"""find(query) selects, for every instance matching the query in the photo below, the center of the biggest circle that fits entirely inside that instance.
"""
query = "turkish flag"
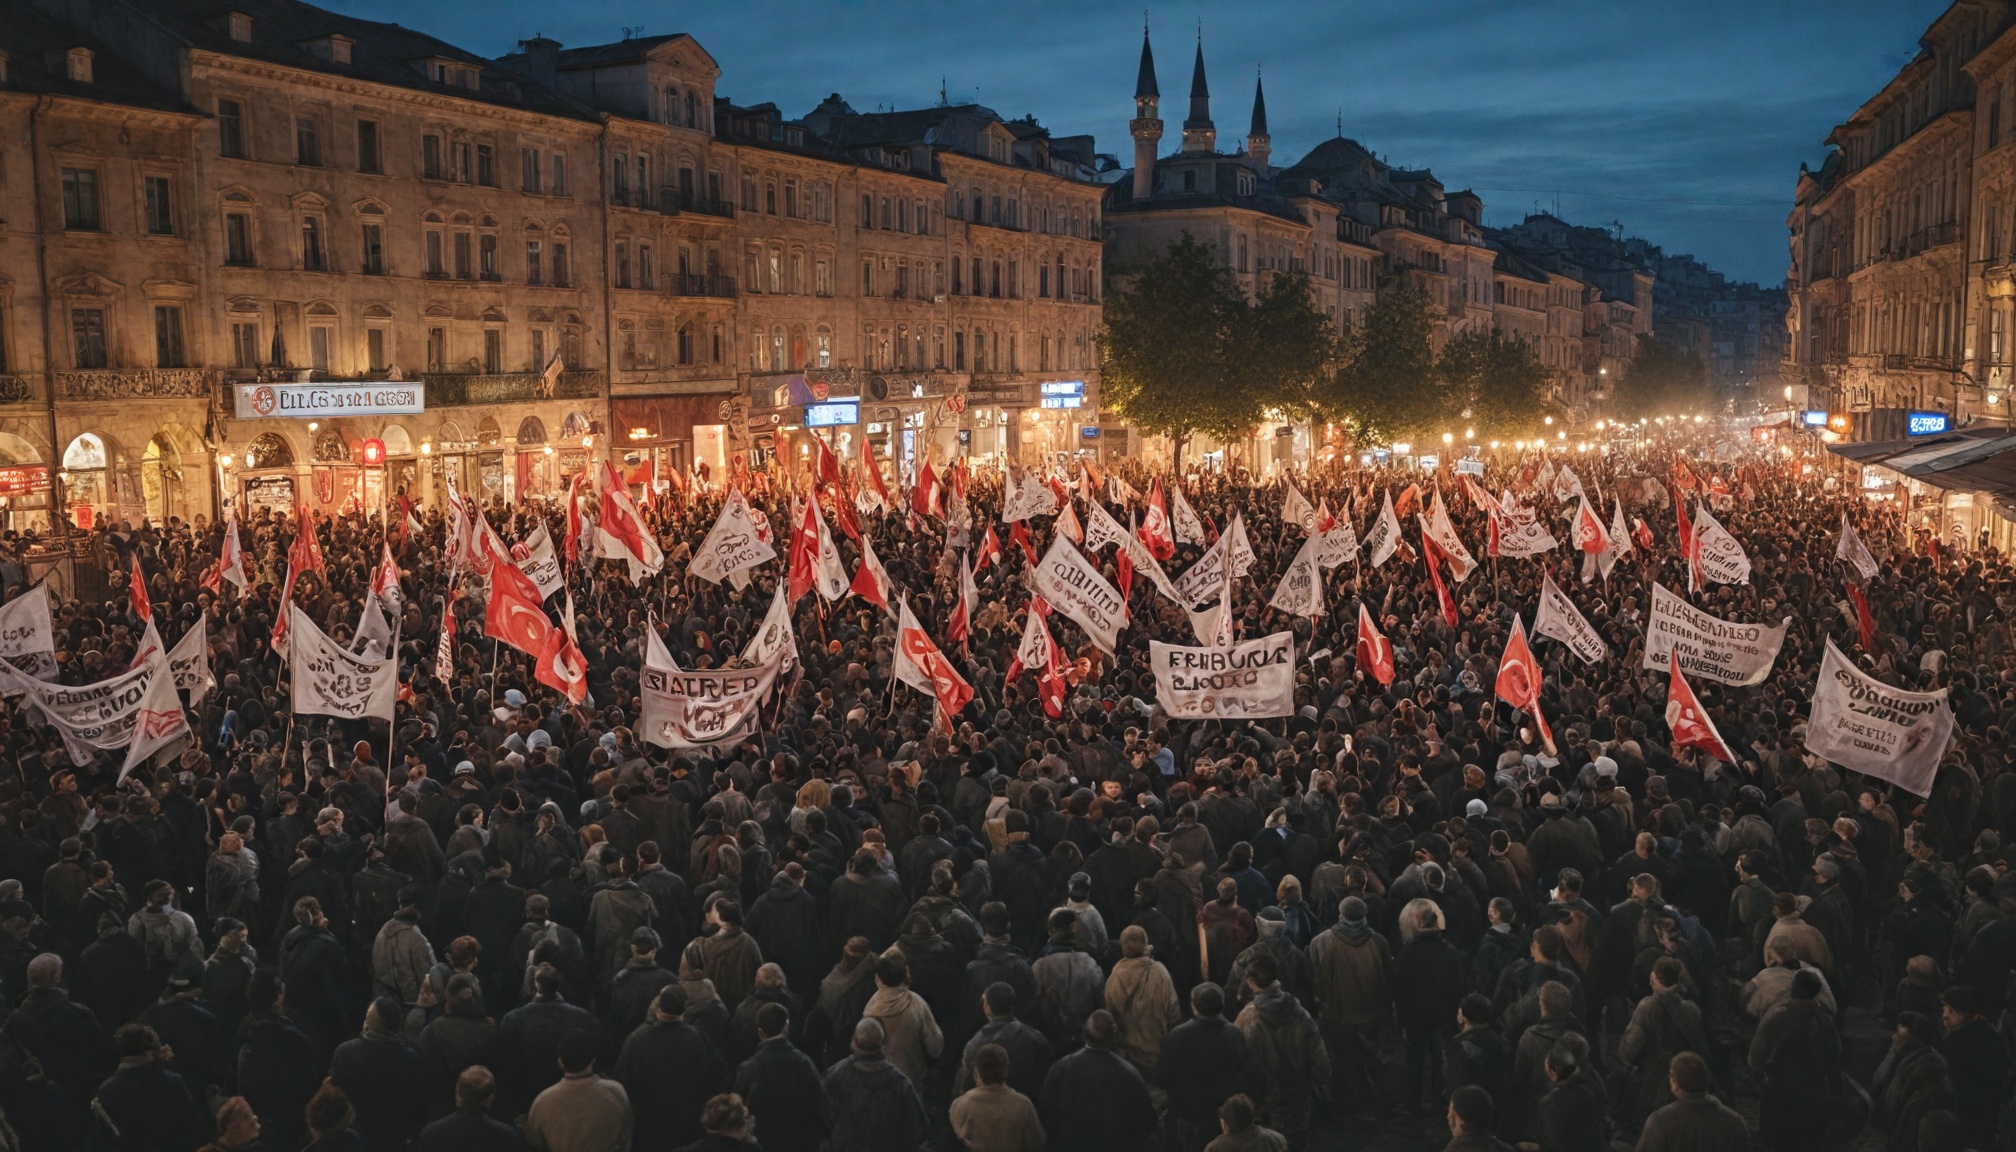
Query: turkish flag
(561, 666)
(871, 582)
(1154, 530)
(1864, 622)
(843, 511)
(1050, 684)
(516, 613)
(1689, 722)
(1375, 652)
(1018, 533)
(947, 685)
(1432, 552)
(136, 590)
(1590, 535)
(924, 493)
(990, 551)
(873, 471)
(1519, 678)
(804, 555)
(829, 464)
(1642, 533)
(960, 627)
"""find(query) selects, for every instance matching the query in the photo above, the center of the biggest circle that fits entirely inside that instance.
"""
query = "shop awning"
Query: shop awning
(647, 419)
(1877, 451)
(1994, 475)
(1930, 463)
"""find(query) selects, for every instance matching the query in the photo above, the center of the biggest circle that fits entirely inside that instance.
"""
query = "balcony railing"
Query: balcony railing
(454, 388)
(705, 206)
(132, 384)
(700, 284)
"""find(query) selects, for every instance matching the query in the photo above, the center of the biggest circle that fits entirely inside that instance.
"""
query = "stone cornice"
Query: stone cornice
(223, 66)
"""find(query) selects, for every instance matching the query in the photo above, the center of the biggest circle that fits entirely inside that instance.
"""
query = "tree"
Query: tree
(1495, 377)
(1661, 381)
(1184, 351)
(1389, 389)
(1167, 348)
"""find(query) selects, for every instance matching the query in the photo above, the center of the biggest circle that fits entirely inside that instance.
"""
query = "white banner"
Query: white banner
(1720, 650)
(1559, 619)
(1031, 497)
(1239, 681)
(27, 640)
(1075, 588)
(329, 681)
(1189, 529)
(1862, 723)
(1337, 545)
(1295, 508)
(160, 720)
(1567, 485)
(1200, 581)
(94, 718)
(1437, 527)
(732, 545)
(1721, 556)
(541, 562)
(1242, 549)
(775, 638)
(312, 401)
(1101, 529)
(1520, 530)
(696, 709)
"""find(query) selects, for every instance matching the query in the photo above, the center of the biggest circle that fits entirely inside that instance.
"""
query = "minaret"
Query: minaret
(1258, 145)
(1146, 126)
(1199, 135)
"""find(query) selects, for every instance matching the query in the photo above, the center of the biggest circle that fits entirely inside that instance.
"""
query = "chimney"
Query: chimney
(542, 60)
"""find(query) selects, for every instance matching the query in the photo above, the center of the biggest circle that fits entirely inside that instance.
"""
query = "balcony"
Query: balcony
(685, 201)
(700, 284)
(454, 388)
(132, 384)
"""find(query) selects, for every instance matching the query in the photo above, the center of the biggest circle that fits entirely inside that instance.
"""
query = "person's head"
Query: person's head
(45, 971)
(1805, 984)
(237, 1124)
(868, 1037)
(329, 1111)
(725, 1115)
(1668, 972)
(1555, 1000)
(384, 1016)
(1236, 1116)
(1785, 904)
(1469, 1110)
(1100, 1030)
(999, 1000)
(772, 1020)
(891, 970)
(1207, 1000)
(475, 1087)
(135, 1042)
(577, 1053)
(546, 981)
(1475, 1010)
(990, 1064)
(1687, 1075)
(671, 1003)
(1957, 1005)
(1261, 972)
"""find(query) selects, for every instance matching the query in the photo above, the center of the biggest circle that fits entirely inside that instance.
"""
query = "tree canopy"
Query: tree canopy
(1495, 377)
(1184, 351)
(1661, 380)
(1388, 389)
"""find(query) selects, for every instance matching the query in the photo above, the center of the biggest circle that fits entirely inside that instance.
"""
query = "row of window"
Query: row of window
(441, 157)
(902, 349)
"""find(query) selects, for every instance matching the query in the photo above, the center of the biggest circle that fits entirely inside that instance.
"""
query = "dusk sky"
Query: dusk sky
(1685, 122)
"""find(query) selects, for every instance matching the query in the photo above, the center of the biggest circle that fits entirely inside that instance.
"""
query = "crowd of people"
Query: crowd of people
(509, 920)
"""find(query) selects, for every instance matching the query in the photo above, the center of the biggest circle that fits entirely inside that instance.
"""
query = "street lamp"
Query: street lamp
(1550, 421)
(1448, 438)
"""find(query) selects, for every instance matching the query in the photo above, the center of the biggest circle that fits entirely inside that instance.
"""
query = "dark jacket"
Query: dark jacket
(875, 1108)
(153, 1110)
(785, 1096)
(389, 1084)
(1572, 1116)
(279, 1068)
(528, 1048)
(1288, 1054)
(1095, 1101)
(785, 924)
(469, 1130)
(1428, 981)
(65, 1036)
(670, 1070)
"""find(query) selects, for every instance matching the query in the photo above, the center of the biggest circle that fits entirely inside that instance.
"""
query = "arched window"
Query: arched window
(671, 105)
(692, 112)
(330, 447)
(531, 431)
(270, 450)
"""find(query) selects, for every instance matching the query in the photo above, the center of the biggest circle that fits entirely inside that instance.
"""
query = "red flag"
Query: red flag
(1519, 678)
(1408, 501)
(1590, 535)
(1019, 534)
(1864, 622)
(990, 551)
(947, 685)
(924, 493)
(1123, 567)
(516, 614)
(1050, 684)
(1689, 722)
(829, 464)
(960, 627)
(873, 470)
(136, 590)
(804, 560)
(1683, 476)
(1154, 530)
(306, 547)
(1375, 652)
(1431, 552)
(843, 511)
(871, 582)
(1686, 527)
(1642, 534)
(576, 519)
(561, 666)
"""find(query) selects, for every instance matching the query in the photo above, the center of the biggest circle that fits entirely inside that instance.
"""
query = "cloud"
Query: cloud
(1686, 122)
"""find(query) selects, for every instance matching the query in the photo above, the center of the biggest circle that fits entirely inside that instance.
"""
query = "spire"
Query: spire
(1259, 127)
(1144, 82)
(1199, 134)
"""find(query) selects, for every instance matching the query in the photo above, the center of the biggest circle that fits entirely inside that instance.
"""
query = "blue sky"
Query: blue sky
(1687, 122)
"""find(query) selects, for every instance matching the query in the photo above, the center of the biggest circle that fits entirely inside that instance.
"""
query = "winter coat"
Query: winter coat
(670, 1071)
(389, 1084)
(581, 1112)
(730, 958)
(470, 1130)
(1069, 987)
(1288, 1052)
(632, 993)
(786, 925)
(528, 1047)
(316, 975)
(1797, 1055)
(1142, 999)
(911, 1038)
(64, 1035)
(875, 1108)
(1030, 1055)
(1094, 1101)
(996, 1118)
(1572, 1116)
(785, 1096)
(614, 913)
(1698, 1123)
(1428, 981)
(871, 906)
(1353, 972)
(1662, 1026)
(153, 1109)
(279, 1068)
(1291, 966)
(400, 958)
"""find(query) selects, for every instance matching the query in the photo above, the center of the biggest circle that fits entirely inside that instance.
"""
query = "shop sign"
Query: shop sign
(310, 401)
(24, 479)
(1063, 393)
(840, 412)
(275, 492)
(1926, 423)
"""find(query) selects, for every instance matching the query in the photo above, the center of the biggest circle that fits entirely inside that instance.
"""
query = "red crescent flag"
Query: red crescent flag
(1432, 552)
(136, 590)
(1590, 535)
(873, 470)
(924, 493)
(1642, 533)
(1689, 722)
(1020, 535)
(951, 689)
(990, 551)
(516, 613)
(1519, 678)
(1864, 622)
(804, 555)
(1050, 684)
(960, 627)
(871, 582)
(561, 666)
(1375, 652)
(1154, 530)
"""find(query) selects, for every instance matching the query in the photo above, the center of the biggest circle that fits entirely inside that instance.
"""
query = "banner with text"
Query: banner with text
(1862, 723)
(1252, 679)
(1719, 650)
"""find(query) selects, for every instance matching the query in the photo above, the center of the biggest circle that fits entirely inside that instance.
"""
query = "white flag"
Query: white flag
(329, 680)
(189, 660)
(1101, 529)
(903, 666)
(1559, 619)
(1383, 538)
(1437, 527)
(1034, 651)
(732, 545)
(1241, 549)
(1029, 498)
(1200, 581)
(1336, 544)
(1860, 722)
(159, 721)
(1719, 556)
(1300, 592)
(1229, 682)
(27, 637)
(656, 655)
(1074, 587)
(1295, 508)
(829, 574)
(373, 638)
(1724, 651)
(1852, 550)
(1189, 529)
(1567, 486)
(1068, 525)
(1213, 622)
(231, 557)
(775, 639)
(541, 563)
